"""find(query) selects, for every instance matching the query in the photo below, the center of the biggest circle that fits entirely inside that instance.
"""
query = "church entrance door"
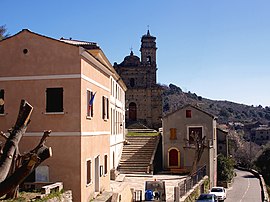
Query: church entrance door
(132, 111)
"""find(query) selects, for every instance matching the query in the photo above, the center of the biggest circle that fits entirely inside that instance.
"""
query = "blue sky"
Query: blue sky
(218, 49)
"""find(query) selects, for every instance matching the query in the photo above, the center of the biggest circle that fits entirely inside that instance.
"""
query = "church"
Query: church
(143, 95)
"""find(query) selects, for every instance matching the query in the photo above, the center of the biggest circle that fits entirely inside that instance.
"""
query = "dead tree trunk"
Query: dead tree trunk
(14, 138)
(199, 148)
(14, 168)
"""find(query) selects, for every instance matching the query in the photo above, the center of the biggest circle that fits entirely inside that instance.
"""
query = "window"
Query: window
(188, 113)
(2, 102)
(148, 60)
(90, 103)
(88, 172)
(105, 164)
(105, 108)
(54, 100)
(132, 82)
(173, 134)
(194, 133)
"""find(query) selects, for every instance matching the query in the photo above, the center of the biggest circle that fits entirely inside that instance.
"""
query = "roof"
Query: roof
(148, 35)
(130, 61)
(262, 128)
(84, 44)
(195, 107)
(223, 130)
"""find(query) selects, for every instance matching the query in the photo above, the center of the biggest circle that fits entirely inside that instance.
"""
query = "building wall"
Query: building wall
(75, 137)
(179, 121)
(90, 152)
(44, 57)
(222, 142)
(65, 168)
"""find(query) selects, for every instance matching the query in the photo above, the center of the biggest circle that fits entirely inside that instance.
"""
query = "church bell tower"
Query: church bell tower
(148, 56)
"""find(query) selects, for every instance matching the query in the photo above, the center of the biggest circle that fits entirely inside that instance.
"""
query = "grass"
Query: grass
(29, 196)
(142, 134)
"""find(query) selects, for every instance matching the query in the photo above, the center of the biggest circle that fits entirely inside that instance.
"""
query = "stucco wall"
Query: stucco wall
(74, 139)
(179, 121)
(44, 57)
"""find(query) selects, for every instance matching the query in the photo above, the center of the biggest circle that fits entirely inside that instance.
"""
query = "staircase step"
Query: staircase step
(137, 155)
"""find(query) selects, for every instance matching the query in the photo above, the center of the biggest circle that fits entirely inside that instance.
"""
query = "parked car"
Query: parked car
(220, 192)
(207, 198)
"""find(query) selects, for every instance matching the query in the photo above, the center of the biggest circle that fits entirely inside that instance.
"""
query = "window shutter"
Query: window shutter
(54, 100)
(188, 113)
(172, 133)
(103, 107)
(2, 101)
(107, 104)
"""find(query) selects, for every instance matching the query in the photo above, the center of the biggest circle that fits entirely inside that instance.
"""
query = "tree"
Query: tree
(14, 167)
(3, 32)
(225, 168)
(199, 148)
(263, 164)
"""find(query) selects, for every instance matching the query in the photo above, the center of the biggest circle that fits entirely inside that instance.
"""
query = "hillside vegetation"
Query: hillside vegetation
(226, 111)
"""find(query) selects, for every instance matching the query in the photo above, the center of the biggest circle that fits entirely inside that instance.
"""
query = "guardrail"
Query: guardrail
(264, 194)
(192, 180)
(151, 166)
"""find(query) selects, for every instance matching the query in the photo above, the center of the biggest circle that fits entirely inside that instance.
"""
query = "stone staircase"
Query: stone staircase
(138, 155)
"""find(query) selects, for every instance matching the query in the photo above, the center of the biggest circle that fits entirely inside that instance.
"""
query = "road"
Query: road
(246, 188)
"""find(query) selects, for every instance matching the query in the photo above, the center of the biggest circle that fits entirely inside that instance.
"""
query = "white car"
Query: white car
(220, 192)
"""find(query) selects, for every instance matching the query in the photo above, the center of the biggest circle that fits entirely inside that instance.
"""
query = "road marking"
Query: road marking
(245, 191)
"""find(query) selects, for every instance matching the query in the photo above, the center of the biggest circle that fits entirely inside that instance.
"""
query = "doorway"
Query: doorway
(132, 111)
(174, 158)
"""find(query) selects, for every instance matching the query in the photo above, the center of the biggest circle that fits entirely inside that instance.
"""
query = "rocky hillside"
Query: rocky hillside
(174, 98)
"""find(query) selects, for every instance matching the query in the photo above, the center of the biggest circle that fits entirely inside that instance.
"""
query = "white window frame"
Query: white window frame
(105, 108)
(195, 126)
(90, 115)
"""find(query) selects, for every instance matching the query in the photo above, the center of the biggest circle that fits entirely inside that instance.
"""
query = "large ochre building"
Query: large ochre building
(59, 78)
(143, 95)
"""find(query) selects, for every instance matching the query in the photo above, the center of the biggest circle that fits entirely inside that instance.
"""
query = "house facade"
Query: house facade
(222, 142)
(179, 128)
(261, 135)
(143, 95)
(69, 84)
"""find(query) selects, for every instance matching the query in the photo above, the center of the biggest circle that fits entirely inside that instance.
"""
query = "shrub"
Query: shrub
(225, 168)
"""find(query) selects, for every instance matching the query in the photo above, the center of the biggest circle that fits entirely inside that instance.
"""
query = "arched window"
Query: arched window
(132, 111)
(132, 82)
(148, 60)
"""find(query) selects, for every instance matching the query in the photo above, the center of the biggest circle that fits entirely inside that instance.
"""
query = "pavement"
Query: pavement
(137, 183)
(246, 188)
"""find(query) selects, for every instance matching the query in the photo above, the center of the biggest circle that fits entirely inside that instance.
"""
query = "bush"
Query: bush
(225, 168)
(263, 164)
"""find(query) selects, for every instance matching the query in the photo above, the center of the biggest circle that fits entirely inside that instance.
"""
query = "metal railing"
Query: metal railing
(192, 180)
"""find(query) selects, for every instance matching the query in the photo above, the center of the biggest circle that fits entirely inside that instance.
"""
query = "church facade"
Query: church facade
(143, 95)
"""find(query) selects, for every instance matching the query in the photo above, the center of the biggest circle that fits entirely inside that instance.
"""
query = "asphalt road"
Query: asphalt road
(246, 188)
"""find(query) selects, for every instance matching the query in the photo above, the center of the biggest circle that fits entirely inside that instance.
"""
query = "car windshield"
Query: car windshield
(216, 190)
(205, 196)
